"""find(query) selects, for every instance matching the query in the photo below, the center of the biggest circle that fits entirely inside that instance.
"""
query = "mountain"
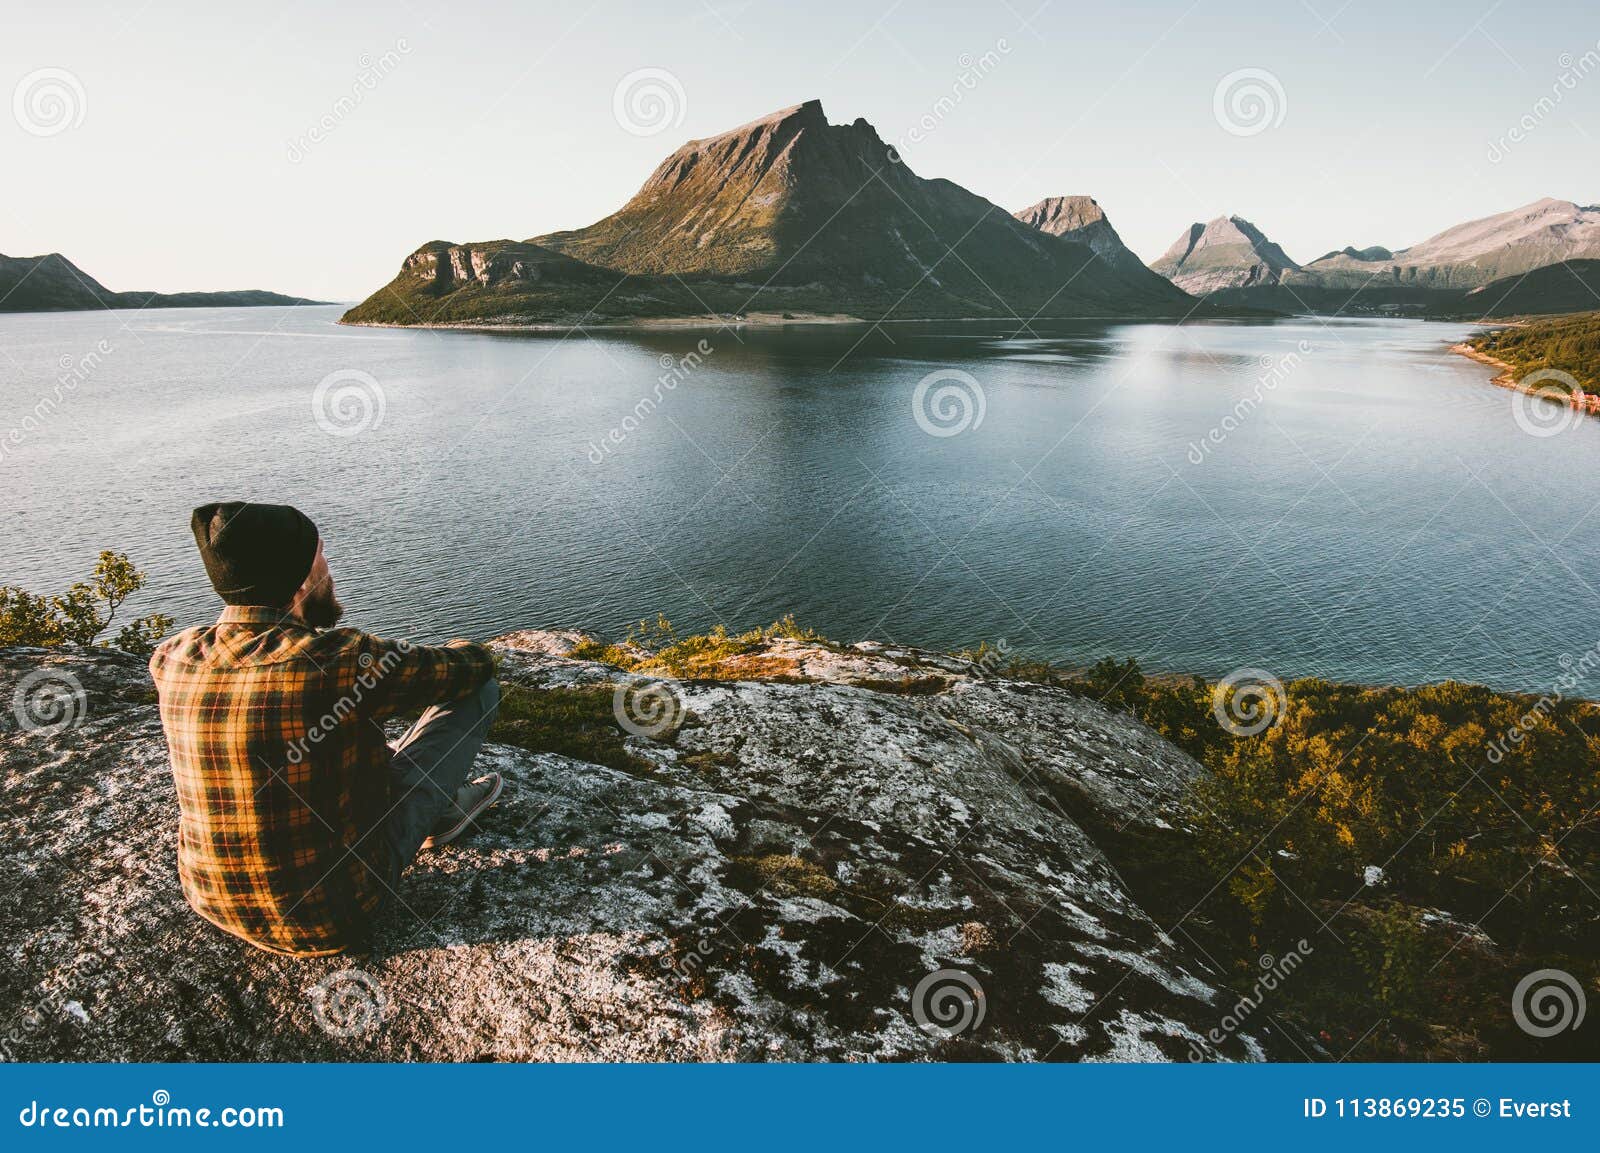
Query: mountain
(1570, 287)
(1230, 263)
(1081, 219)
(1471, 255)
(48, 283)
(1363, 255)
(1228, 252)
(52, 283)
(785, 215)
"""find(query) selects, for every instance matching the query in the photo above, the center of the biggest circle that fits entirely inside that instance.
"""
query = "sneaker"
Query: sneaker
(472, 800)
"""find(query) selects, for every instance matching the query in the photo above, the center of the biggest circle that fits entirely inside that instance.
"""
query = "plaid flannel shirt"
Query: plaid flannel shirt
(281, 766)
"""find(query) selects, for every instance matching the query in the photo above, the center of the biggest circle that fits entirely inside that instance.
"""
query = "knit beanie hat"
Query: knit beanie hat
(255, 554)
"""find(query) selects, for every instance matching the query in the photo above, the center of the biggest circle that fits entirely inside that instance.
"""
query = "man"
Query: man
(296, 816)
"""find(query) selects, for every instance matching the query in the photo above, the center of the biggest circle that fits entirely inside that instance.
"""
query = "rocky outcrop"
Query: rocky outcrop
(1081, 219)
(442, 267)
(841, 853)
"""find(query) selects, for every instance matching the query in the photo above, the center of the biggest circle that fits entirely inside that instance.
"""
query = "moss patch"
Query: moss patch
(655, 647)
(786, 875)
(926, 686)
(708, 760)
(577, 723)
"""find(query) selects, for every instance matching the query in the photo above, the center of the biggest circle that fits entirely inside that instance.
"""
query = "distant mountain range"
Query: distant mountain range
(787, 217)
(52, 283)
(790, 217)
(1476, 268)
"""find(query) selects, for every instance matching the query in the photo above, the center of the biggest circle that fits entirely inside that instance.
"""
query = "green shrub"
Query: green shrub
(1568, 343)
(1481, 803)
(83, 612)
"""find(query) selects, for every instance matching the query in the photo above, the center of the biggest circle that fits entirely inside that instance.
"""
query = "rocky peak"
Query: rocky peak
(1375, 254)
(751, 199)
(1227, 252)
(1081, 220)
(1059, 215)
(1469, 255)
(743, 154)
(1230, 230)
(1568, 228)
(830, 852)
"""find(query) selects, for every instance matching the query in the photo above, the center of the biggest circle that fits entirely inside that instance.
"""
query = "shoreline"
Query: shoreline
(658, 324)
(1507, 376)
(1579, 400)
(797, 320)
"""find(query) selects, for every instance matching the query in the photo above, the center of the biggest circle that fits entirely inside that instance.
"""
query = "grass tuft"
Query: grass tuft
(786, 875)
(655, 647)
(577, 723)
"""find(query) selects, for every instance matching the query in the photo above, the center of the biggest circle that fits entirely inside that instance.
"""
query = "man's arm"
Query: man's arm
(410, 677)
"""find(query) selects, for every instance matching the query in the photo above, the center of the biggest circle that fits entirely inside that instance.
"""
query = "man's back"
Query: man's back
(281, 767)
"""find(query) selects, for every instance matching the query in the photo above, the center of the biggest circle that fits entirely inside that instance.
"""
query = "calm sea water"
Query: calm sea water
(1379, 516)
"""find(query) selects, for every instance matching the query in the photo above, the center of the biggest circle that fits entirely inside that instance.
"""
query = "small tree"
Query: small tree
(83, 612)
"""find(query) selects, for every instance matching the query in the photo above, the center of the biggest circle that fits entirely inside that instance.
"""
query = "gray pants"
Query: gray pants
(430, 763)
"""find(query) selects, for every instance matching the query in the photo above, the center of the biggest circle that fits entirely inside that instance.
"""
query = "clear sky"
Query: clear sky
(182, 156)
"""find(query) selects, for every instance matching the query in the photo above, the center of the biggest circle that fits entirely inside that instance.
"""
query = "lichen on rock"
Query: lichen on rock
(793, 872)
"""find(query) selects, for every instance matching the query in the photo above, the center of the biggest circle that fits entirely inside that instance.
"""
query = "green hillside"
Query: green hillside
(1572, 286)
(1570, 344)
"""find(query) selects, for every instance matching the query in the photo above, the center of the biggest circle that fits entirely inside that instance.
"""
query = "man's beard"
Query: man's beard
(321, 610)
